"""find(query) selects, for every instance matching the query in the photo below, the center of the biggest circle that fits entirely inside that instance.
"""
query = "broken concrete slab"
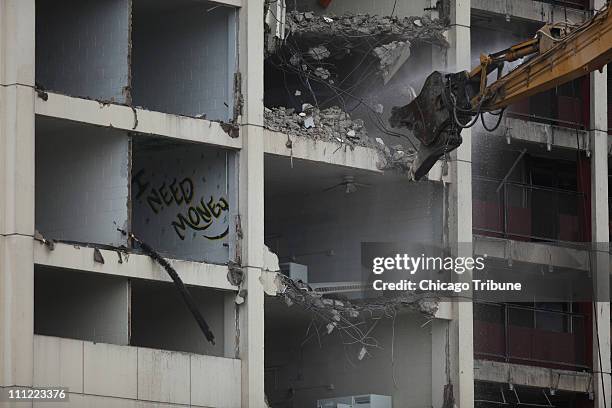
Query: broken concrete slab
(417, 29)
(319, 38)
(336, 126)
(392, 56)
(331, 124)
(338, 309)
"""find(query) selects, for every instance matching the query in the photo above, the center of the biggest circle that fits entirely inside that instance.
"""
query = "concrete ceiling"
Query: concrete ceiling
(307, 177)
(280, 316)
(165, 5)
(47, 125)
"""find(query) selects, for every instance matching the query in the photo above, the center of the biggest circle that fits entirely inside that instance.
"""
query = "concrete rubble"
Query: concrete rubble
(347, 32)
(391, 56)
(418, 29)
(331, 124)
(336, 126)
(316, 45)
(397, 157)
(319, 52)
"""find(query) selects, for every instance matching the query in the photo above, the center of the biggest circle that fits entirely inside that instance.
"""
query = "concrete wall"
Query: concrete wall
(172, 191)
(184, 60)
(106, 375)
(81, 182)
(380, 7)
(161, 320)
(82, 47)
(312, 369)
(311, 226)
(80, 305)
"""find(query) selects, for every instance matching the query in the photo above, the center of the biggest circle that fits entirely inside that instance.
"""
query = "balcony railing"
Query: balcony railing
(529, 335)
(578, 4)
(527, 212)
(553, 121)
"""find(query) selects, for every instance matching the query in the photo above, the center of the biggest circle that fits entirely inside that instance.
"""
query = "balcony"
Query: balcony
(525, 212)
(547, 335)
(518, 11)
(99, 374)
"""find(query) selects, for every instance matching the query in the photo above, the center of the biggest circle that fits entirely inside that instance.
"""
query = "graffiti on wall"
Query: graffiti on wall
(193, 212)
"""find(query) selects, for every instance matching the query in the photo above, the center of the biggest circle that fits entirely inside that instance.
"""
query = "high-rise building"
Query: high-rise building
(245, 146)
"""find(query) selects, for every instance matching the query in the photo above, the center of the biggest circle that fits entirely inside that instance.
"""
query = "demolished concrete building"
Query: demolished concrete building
(214, 130)
(330, 66)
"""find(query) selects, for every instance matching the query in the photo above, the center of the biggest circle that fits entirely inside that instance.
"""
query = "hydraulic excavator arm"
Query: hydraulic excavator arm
(449, 103)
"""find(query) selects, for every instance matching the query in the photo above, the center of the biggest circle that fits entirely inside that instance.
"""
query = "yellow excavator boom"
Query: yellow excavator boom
(449, 103)
(583, 50)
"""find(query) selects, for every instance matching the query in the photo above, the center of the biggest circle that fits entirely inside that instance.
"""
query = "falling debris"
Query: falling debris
(319, 53)
(398, 158)
(392, 56)
(322, 73)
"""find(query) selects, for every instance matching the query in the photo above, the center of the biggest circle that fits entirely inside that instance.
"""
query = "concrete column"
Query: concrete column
(16, 192)
(230, 345)
(600, 235)
(460, 219)
(251, 203)
(440, 360)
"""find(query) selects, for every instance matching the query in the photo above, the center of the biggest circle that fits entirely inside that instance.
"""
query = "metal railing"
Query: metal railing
(529, 335)
(547, 120)
(527, 212)
(578, 4)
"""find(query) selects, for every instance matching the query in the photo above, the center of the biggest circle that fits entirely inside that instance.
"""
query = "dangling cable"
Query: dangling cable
(499, 115)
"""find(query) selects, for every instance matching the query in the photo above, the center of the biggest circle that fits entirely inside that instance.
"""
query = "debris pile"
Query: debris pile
(419, 29)
(331, 124)
(335, 125)
(339, 59)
